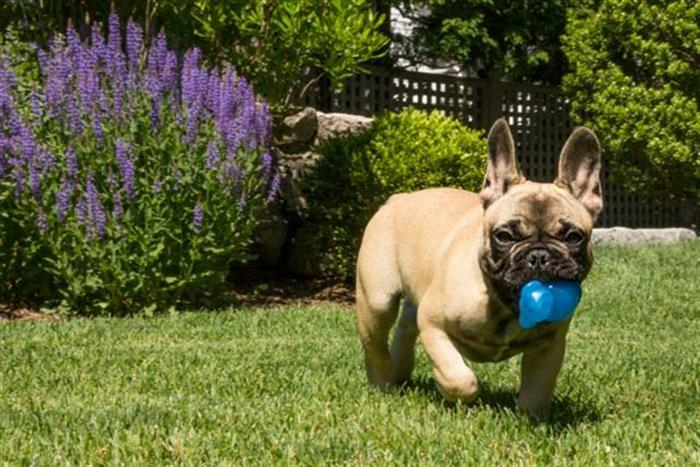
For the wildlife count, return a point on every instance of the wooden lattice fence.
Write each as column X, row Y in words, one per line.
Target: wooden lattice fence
column 538, row 115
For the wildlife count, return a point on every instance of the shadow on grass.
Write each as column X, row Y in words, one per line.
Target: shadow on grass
column 566, row 412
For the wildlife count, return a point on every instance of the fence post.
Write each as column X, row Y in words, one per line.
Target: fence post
column 491, row 103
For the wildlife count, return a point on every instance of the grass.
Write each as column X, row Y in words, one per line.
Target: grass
column 286, row 385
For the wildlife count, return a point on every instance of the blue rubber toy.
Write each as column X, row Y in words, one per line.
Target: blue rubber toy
column 547, row 302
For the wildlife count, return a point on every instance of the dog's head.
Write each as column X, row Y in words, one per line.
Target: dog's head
column 538, row 230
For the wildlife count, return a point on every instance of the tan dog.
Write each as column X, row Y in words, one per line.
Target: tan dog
column 459, row 259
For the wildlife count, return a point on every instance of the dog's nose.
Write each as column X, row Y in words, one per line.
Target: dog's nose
column 538, row 258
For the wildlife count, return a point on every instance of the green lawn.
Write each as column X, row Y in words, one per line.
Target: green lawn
column 287, row 385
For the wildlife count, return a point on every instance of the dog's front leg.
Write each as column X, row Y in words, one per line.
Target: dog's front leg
column 538, row 373
column 454, row 378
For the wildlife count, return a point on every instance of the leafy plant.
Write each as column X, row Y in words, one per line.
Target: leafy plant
column 635, row 77
column 275, row 42
column 128, row 179
column 405, row 151
column 500, row 39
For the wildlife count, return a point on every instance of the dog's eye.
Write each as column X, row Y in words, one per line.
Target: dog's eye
column 574, row 237
column 504, row 236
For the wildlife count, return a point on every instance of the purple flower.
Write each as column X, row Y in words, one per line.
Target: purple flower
column 94, row 206
column 116, row 65
column 263, row 125
column 274, row 188
column 266, row 161
column 169, row 73
column 134, row 40
column 7, row 81
column 158, row 51
column 24, row 144
column 63, row 199
column 74, row 122
column 58, row 71
column 4, row 153
column 213, row 92
column 36, row 109
column 126, row 168
column 98, row 48
column 43, row 60
column 194, row 82
column 114, row 39
column 94, row 88
column 81, row 210
column 197, row 217
column 117, row 208
column 19, row 181
column 75, row 47
column 232, row 136
column 97, row 129
column 212, row 155
column 71, row 163
column 41, row 222
column 35, row 181
column 154, row 83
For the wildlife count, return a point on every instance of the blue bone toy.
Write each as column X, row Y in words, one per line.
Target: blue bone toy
column 547, row 302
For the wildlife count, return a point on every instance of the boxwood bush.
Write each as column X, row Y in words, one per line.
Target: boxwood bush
column 129, row 178
column 406, row 151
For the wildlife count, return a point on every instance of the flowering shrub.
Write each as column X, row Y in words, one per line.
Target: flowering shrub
column 128, row 179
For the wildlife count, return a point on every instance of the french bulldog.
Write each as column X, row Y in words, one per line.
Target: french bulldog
column 458, row 261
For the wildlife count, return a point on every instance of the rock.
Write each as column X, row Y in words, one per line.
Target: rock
column 296, row 129
column 295, row 146
column 297, row 165
column 333, row 125
column 269, row 239
column 627, row 236
column 292, row 196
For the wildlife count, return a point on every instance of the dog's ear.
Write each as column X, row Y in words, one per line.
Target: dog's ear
column 502, row 171
column 579, row 169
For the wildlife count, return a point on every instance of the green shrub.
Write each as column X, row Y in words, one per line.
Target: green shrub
column 635, row 78
column 401, row 152
column 128, row 179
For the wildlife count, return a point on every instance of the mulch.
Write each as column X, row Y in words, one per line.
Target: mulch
column 251, row 290
column 292, row 291
column 21, row 312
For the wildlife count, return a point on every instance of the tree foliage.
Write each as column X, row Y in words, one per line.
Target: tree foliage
column 635, row 78
column 273, row 42
column 516, row 40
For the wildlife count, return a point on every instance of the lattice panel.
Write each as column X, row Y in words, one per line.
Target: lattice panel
column 451, row 95
column 364, row 95
column 539, row 120
column 538, row 116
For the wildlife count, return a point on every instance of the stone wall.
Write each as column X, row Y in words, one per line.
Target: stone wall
column 283, row 241
column 626, row 236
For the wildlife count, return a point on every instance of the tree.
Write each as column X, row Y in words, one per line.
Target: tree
column 514, row 40
column 275, row 42
column 635, row 78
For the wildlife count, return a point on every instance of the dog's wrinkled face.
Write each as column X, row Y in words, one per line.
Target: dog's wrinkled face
column 538, row 230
